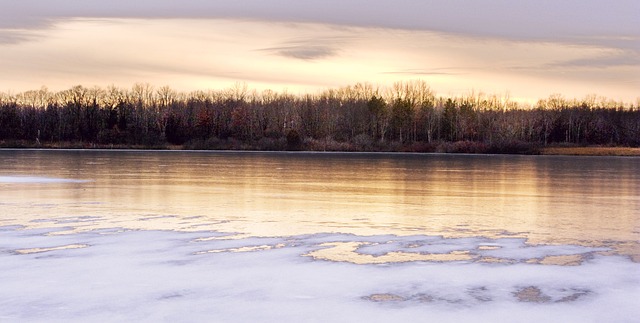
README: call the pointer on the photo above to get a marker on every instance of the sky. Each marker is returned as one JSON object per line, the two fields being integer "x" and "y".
{"x": 525, "y": 50}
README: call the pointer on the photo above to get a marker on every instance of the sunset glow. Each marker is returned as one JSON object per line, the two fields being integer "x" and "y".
{"x": 185, "y": 51}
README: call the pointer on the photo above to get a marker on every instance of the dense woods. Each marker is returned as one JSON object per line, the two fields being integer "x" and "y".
{"x": 407, "y": 116}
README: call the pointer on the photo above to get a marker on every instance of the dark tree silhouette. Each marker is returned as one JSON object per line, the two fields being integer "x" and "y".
{"x": 406, "y": 117}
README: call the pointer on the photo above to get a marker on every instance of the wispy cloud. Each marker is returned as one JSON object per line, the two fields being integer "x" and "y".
{"x": 622, "y": 60}
{"x": 8, "y": 36}
{"x": 531, "y": 20}
{"x": 608, "y": 58}
{"x": 308, "y": 49}
{"x": 427, "y": 72}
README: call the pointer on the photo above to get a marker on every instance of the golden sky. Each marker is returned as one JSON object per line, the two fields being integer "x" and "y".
{"x": 302, "y": 50}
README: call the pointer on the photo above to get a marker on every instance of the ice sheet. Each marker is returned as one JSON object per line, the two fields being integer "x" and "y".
{"x": 167, "y": 276}
{"x": 38, "y": 180}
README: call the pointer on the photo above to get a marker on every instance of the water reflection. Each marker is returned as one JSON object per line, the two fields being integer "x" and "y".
{"x": 570, "y": 200}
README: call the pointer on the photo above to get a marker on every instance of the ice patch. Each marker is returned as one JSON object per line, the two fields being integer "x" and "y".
{"x": 515, "y": 249}
{"x": 166, "y": 276}
{"x": 38, "y": 180}
{"x": 41, "y": 250}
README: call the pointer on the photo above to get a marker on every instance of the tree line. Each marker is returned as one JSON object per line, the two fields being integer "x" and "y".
{"x": 407, "y": 116}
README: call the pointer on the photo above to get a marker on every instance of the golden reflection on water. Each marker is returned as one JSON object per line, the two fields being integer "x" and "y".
{"x": 347, "y": 252}
{"x": 547, "y": 200}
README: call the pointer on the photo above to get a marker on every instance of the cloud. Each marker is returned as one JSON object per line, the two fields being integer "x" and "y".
{"x": 373, "y": 39}
{"x": 320, "y": 47}
{"x": 15, "y": 36}
{"x": 620, "y": 51}
{"x": 427, "y": 72}
{"x": 608, "y": 58}
{"x": 312, "y": 49}
{"x": 623, "y": 59}
{"x": 311, "y": 52}
{"x": 530, "y": 20}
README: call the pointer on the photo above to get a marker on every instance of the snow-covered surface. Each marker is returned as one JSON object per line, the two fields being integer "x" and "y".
{"x": 112, "y": 275}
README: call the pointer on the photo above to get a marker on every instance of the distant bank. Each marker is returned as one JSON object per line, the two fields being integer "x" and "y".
{"x": 591, "y": 151}
{"x": 447, "y": 147}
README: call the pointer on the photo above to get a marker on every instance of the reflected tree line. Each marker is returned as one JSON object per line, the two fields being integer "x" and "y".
{"x": 407, "y": 116}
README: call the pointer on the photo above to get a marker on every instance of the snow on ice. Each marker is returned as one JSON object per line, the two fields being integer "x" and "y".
{"x": 167, "y": 276}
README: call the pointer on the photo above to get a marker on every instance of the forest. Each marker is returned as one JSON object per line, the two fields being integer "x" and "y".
{"x": 407, "y": 116}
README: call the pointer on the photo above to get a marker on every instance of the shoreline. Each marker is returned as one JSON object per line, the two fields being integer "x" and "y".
{"x": 559, "y": 150}
{"x": 591, "y": 151}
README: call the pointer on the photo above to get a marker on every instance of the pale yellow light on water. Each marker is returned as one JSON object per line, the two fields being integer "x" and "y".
{"x": 541, "y": 199}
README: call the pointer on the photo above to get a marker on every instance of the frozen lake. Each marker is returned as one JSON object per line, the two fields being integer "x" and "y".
{"x": 313, "y": 237}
